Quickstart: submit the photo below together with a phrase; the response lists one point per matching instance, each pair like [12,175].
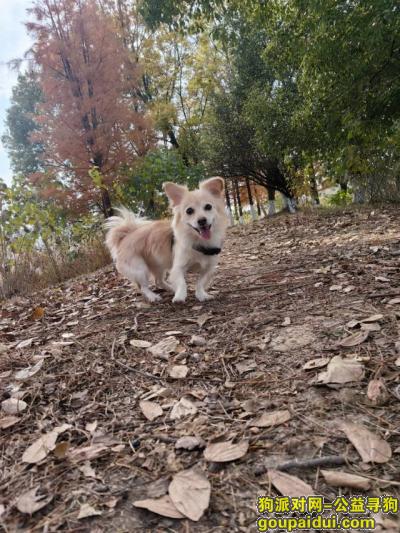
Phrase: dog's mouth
[204,231]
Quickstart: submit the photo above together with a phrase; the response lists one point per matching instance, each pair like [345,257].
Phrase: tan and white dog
[190,242]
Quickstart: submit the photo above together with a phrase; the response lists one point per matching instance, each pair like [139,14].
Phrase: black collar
[199,248]
[205,250]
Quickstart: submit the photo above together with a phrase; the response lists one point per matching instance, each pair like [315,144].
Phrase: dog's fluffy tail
[118,227]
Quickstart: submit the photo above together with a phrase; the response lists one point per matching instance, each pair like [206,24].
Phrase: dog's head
[199,212]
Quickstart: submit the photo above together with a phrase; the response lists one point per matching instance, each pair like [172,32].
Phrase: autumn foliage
[89,118]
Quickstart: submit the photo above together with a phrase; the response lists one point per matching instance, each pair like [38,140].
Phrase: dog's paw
[203,296]
[179,299]
[153,297]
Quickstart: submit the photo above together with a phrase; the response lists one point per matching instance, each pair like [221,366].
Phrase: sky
[14,42]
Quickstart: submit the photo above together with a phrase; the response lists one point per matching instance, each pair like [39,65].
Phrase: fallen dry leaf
[372,318]
[377,392]
[137,343]
[164,348]
[178,371]
[162,506]
[246,366]
[316,363]
[27,373]
[222,452]
[289,485]
[91,426]
[371,326]
[8,421]
[190,492]
[29,502]
[202,319]
[87,470]
[61,449]
[336,478]
[183,408]
[151,410]
[13,406]
[394,301]
[43,445]
[272,419]
[86,453]
[354,340]
[37,313]
[87,510]
[341,370]
[25,344]
[189,443]
[371,447]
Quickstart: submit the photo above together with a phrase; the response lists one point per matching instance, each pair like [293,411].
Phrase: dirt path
[288,291]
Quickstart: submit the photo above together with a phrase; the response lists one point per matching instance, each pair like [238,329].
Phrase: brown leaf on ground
[178,371]
[336,478]
[316,363]
[183,408]
[222,452]
[27,373]
[272,419]
[189,443]
[190,492]
[137,343]
[29,502]
[8,421]
[341,370]
[372,318]
[289,485]
[86,453]
[164,348]
[13,406]
[162,506]
[87,470]
[37,313]
[39,449]
[151,410]
[377,392]
[87,510]
[371,447]
[354,340]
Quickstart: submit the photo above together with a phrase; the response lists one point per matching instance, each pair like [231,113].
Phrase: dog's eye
[189,211]
[208,207]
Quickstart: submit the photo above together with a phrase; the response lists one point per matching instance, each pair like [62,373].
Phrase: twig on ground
[328,460]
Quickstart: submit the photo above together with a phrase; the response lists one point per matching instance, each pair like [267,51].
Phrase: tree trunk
[257,201]
[271,201]
[314,189]
[228,203]
[239,203]
[288,204]
[106,203]
[250,196]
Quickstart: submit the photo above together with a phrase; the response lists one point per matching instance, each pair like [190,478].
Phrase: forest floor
[297,358]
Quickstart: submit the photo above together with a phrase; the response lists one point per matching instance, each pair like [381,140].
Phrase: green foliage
[142,190]
[340,198]
[20,124]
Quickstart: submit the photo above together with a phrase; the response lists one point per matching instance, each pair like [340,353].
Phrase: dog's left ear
[213,185]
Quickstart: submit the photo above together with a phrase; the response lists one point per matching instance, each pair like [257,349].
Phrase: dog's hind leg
[138,272]
[161,282]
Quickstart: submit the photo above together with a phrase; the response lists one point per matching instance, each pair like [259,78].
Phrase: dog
[192,241]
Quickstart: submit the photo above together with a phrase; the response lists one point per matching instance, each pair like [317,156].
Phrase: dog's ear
[213,185]
[174,192]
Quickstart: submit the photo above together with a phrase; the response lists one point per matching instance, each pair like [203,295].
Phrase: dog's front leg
[204,282]
[177,278]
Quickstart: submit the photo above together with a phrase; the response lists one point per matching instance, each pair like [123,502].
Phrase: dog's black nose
[202,222]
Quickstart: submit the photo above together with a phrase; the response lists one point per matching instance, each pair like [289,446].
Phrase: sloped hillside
[294,367]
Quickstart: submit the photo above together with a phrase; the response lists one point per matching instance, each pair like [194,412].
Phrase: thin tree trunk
[314,189]
[271,201]
[235,201]
[257,201]
[228,203]
[106,203]
[239,203]
[250,196]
